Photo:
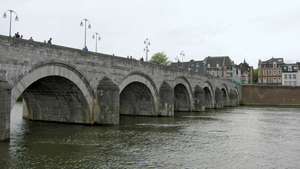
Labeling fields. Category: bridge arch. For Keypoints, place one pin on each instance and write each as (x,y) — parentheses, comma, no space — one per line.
(55,92)
(138,95)
(208,95)
(183,97)
(225,94)
(233,97)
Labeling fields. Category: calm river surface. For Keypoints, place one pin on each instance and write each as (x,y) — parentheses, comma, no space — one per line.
(235,138)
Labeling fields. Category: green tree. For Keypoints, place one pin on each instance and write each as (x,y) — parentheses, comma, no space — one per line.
(160,58)
(255,76)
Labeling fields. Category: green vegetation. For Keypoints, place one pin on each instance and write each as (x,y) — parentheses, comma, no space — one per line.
(255,76)
(160,58)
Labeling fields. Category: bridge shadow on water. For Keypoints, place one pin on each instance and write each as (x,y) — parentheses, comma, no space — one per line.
(237,137)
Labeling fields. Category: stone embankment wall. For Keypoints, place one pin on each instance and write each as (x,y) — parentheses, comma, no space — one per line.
(256,95)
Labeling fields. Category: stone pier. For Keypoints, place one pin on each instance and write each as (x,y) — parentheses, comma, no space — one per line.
(5,96)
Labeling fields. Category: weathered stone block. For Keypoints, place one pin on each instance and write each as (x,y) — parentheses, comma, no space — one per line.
(5,96)
(108,101)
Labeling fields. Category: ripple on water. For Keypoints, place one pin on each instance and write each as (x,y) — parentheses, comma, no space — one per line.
(232,138)
(160,125)
(208,118)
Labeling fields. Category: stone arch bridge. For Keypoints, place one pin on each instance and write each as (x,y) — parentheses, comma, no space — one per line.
(62,84)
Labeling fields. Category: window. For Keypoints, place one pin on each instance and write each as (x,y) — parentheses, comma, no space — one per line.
(290,68)
(285,76)
(294,76)
(290,76)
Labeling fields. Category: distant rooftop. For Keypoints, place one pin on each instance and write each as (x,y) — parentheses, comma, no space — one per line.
(220,60)
(270,61)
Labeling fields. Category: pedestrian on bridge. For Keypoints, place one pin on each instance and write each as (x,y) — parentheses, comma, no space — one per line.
(50,41)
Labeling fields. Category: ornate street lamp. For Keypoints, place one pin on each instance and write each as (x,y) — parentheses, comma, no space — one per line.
(10,12)
(182,55)
(97,37)
(86,23)
(146,49)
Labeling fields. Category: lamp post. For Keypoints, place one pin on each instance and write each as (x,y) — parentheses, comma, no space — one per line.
(97,37)
(86,23)
(181,54)
(146,49)
(11,13)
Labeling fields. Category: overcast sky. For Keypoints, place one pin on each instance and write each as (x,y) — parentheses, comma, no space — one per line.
(252,29)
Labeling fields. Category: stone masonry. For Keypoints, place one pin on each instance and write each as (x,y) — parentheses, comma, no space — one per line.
(268,95)
(4,110)
(68,85)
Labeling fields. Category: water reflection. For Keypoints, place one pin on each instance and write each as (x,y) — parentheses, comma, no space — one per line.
(231,138)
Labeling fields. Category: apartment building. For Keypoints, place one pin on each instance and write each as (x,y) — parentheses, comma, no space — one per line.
(270,71)
(192,66)
(291,74)
(222,66)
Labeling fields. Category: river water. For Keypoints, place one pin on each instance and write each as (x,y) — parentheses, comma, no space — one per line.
(234,138)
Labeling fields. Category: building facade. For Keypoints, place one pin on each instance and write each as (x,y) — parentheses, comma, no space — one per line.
(291,74)
(270,71)
(221,67)
(224,67)
(246,73)
(192,66)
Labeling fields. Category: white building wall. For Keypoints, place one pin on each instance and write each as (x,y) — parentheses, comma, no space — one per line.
(298,78)
(290,79)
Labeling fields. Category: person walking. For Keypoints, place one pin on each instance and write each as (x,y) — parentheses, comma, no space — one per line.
(50,41)
(17,35)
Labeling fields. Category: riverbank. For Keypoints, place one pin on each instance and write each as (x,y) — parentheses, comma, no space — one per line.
(266,95)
